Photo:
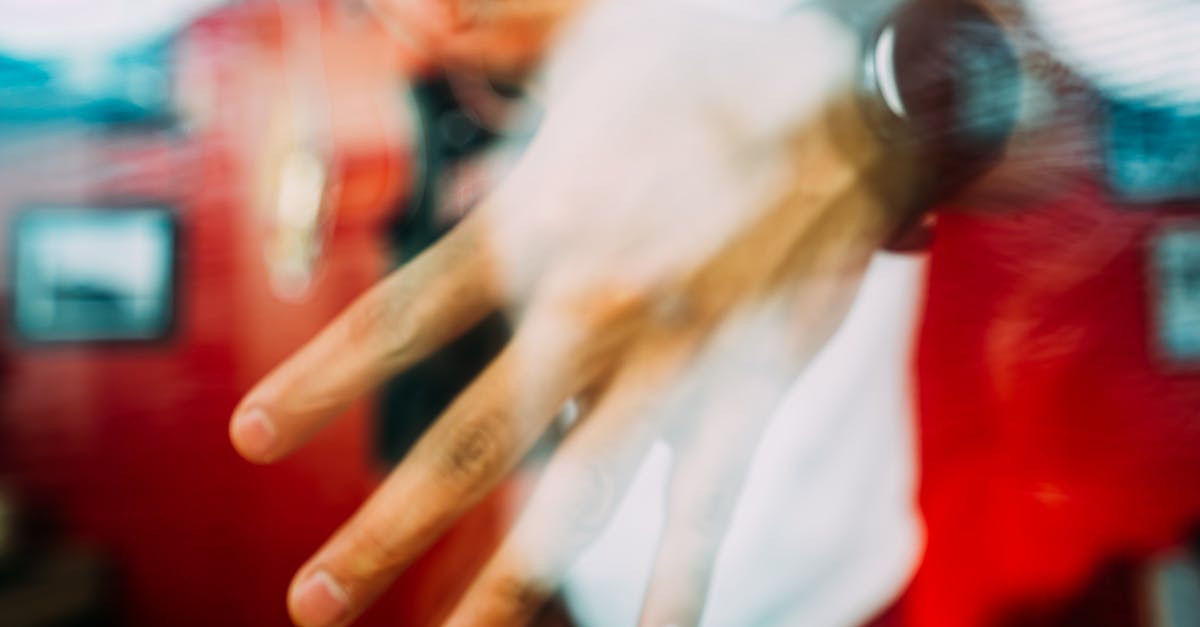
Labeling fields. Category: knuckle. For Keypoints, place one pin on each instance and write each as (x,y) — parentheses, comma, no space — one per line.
(520,596)
(374,550)
(588,502)
(396,319)
(372,319)
(707,516)
(474,451)
(604,298)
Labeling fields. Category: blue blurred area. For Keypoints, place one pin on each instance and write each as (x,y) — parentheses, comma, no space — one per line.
(131,86)
(82,122)
(1153,152)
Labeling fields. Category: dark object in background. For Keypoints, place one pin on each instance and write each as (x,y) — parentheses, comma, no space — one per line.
(63,588)
(451,140)
(45,582)
(1113,597)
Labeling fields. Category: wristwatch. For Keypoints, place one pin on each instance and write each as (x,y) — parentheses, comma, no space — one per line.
(940,78)
(943,74)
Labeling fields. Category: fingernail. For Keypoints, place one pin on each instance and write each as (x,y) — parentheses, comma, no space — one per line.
(254,433)
(320,601)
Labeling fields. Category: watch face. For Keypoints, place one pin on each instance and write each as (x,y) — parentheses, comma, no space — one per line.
(1175,259)
(988,89)
(1153,153)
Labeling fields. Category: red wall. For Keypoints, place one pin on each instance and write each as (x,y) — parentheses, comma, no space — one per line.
(127,445)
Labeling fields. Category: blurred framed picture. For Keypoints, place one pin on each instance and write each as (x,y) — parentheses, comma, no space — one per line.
(1152,154)
(1175,261)
(93,274)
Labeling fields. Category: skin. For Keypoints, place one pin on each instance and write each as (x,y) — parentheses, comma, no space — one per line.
(505,38)
(685,335)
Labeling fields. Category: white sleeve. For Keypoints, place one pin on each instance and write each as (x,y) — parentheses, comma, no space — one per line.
(761,9)
(1137,49)
(775,9)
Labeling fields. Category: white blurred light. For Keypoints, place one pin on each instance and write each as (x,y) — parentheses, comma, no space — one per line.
(74,28)
(1135,49)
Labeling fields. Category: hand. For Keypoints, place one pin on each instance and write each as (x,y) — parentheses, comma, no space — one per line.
(505,38)
(686,230)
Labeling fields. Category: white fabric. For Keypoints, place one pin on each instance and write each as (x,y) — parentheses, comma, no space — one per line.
(765,9)
(76,28)
(1144,49)
(826,533)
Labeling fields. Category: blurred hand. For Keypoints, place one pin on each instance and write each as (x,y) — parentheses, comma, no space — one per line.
(686,230)
(503,37)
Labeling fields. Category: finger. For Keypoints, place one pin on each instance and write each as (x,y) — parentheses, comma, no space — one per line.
(468,450)
(419,308)
(742,377)
(704,494)
(577,497)
(505,37)
(416,24)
